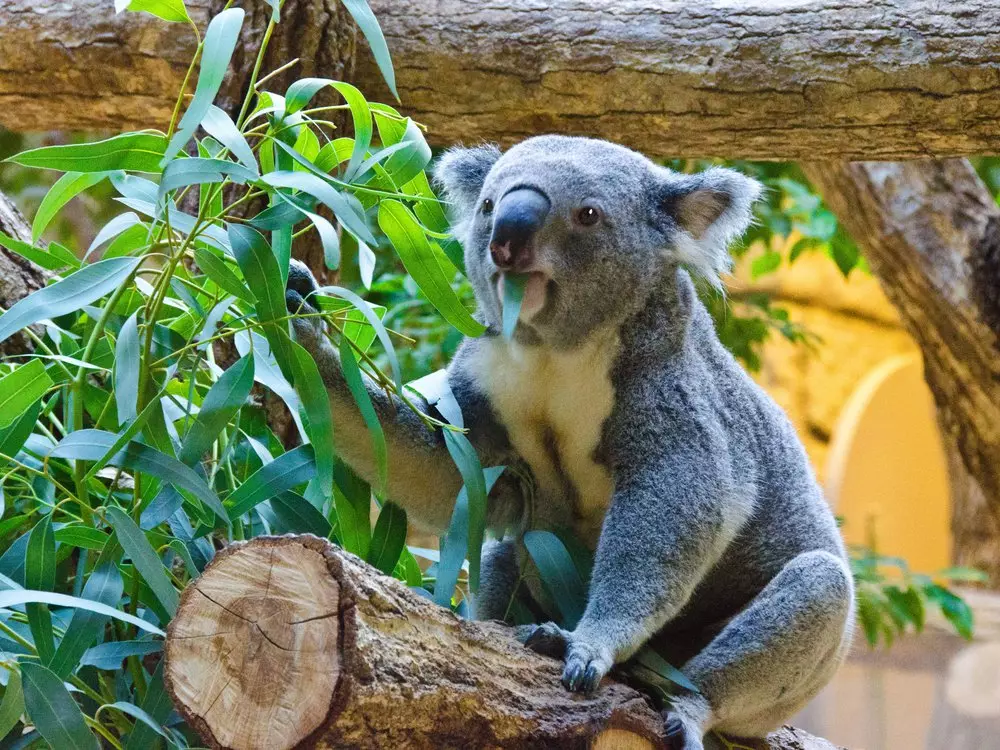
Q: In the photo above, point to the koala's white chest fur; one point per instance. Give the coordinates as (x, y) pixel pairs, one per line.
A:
(553, 404)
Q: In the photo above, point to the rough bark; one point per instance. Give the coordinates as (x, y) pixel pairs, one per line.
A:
(792, 79)
(290, 642)
(930, 231)
(18, 277)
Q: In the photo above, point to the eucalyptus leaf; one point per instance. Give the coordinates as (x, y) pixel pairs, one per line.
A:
(53, 711)
(21, 389)
(62, 191)
(138, 152)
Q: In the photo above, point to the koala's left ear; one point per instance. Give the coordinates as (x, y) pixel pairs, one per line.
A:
(460, 174)
(708, 210)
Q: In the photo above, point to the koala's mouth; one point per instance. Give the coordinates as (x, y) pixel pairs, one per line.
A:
(537, 289)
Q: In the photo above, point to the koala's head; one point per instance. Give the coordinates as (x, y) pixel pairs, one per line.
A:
(594, 226)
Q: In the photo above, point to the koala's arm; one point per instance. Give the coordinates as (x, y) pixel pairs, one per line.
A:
(422, 476)
(671, 518)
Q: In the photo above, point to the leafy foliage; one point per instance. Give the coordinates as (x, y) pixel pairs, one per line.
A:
(134, 443)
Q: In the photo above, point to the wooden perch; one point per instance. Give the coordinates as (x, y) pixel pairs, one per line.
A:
(291, 642)
(765, 79)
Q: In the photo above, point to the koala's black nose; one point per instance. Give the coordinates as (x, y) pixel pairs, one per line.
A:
(518, 217)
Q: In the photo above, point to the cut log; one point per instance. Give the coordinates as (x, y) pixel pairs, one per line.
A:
(766, 79)
(290, 642)
(930, 231)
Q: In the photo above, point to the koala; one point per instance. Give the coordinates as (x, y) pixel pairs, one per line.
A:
(642, 435)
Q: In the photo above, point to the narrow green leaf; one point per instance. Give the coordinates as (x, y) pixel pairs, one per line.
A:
(81, 288)
(388, 539)
(12, 703)
(406, 235)
(327, 234)
(137, 713)
(144, 557)
(169, 10)
(40, 574)
(356, 385)
(366, 21)
(408, 162)
(104, 586)
(84, 537)
(286, 471)
(648, 658)
(113, 229)
(513, 296)
(126, 378)
(196, 171)
(299, 94)
(467, 461)
(156, 704)
(109, 656)
(559, 574)
(220, 40)
(312, 184)
(137, 152)
(20, 389)
(62, 191)
(220, 126)
(319, 423)
(13, 437)
(352, 505)
(53, 711)
(91, 445)
(219, 272)
(370, 315)
(220, 405)
(43, 258)
(260, 269)
(297, 515)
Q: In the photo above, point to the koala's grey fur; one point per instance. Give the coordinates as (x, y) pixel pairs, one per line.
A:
(643, 435)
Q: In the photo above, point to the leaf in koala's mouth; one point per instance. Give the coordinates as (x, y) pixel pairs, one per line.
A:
(513, 295)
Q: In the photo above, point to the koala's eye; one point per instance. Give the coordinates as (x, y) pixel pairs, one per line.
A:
(588, 216)
(487, 207)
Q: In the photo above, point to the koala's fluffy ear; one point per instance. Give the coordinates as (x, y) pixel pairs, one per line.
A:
(461, 172)
(708, 210)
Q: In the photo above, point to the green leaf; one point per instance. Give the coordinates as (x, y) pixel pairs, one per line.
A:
(298, 516)
(954, 608)
(104, 586)
(464, 455)
(352, 505)
(513, 296)
(455, 545)
(40, 574)
(81, 288)
(109, 656)
(648, 658)
(20, 389)
(356, 385)
(764, 264)
(156, 704)
(219, 272)
(13, 437)
(299, 94)
(62, 191)
(414, 154)
(12, 703)
(220, 40)
(559, 575)
(84, 537)
(325, 193)
(43, 258)
(220, 405)
(91, 445)
(366, 21)
(286, 471)
(137, 152)
(126, 378)
(168, 10)
(318, 416)
(137, 713)
(260, 269)
(53, 711)
(112, 229)
(144, 557)
(327, 234)
(388, 539)
(406, 235)
(220, 126)
(368, 311)
(196, 171)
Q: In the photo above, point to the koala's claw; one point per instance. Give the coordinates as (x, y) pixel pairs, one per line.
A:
(548, 639)
(585, 668)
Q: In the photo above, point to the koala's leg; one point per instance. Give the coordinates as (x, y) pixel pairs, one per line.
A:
(774, 656)
(421, 475)
(499, 574)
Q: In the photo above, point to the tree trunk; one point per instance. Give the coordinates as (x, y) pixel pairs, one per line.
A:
(765, 79)
(931, 234)
(18, 277)
(291, 642)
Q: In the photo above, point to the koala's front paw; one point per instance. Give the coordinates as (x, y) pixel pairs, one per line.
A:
(586, 665)
(547, 639)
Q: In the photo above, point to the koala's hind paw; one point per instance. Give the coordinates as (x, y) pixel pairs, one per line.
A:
(679, 735)
(586, 666)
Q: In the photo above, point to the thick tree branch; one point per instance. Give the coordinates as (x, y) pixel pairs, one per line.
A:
(18, 277)
(793, 79)
(290, 642)
(931, 233)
